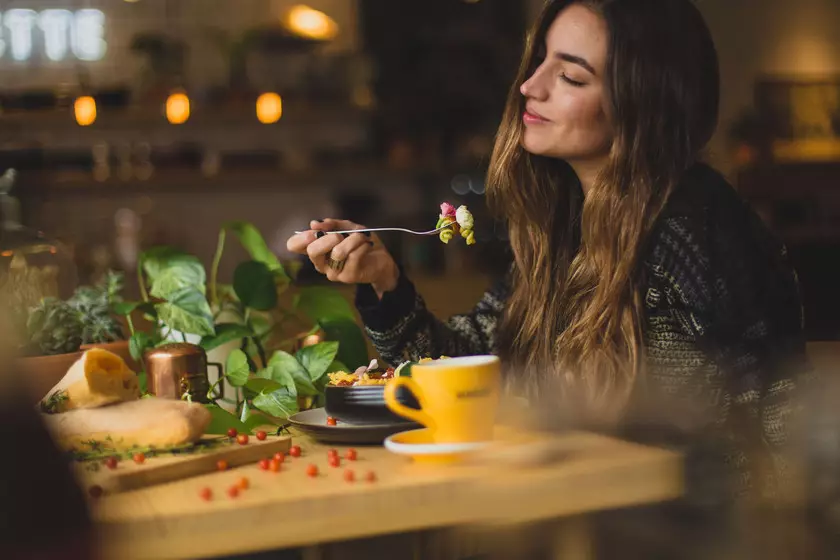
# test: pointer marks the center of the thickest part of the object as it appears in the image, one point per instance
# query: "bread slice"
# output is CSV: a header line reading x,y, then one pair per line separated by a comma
x,y
142,423
96,379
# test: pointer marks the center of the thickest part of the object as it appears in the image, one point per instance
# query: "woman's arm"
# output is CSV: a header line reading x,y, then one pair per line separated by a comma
x,y
402,328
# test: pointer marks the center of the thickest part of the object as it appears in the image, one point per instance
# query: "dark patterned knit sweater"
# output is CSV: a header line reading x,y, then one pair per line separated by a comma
x,y
723,327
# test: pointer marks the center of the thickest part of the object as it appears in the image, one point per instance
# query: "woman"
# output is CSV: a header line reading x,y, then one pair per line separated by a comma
x,y
641,283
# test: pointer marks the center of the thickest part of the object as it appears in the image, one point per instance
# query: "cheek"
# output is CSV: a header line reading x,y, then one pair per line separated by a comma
x,y
585,113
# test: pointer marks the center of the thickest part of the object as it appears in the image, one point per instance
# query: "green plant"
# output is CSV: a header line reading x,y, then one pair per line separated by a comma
x,y
87,317
273,372
54,328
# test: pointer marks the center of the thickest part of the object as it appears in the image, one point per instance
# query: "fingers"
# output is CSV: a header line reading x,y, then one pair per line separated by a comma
x,y
299,242
333,224
353,269
318,250
341,251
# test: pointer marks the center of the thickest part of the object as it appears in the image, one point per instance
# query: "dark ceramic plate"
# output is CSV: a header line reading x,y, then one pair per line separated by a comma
x,y
365,404
314,423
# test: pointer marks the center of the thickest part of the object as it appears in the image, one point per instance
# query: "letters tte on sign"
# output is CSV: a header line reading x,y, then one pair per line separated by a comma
x,y
59,31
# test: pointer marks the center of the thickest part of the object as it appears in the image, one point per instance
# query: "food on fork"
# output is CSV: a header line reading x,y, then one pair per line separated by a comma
x,y
458,220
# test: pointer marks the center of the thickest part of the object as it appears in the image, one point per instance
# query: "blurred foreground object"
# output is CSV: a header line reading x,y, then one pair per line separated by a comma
x,y
42,510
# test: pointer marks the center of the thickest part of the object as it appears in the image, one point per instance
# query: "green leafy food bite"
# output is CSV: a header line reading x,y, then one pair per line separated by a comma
x,y
456,221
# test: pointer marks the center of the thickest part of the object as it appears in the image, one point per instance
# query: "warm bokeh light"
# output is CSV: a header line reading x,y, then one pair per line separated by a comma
x,y
269,108
85,110
178,108
310,23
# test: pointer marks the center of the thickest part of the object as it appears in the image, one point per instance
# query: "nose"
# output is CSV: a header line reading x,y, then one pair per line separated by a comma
x,y
534,87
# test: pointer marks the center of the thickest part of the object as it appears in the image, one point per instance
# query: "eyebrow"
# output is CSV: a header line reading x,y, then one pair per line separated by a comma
x,y
575,60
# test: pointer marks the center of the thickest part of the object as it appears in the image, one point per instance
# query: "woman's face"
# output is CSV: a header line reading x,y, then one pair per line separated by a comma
x,y
565,113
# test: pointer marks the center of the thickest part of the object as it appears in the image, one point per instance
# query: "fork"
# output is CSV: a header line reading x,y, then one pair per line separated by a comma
x,y
411,231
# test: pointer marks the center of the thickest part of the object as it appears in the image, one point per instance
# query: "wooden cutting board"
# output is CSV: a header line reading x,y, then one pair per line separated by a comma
x,y
165,467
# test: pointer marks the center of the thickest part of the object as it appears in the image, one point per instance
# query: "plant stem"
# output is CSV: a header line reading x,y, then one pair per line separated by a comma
x,y
260,350
130,323
214,269
140,282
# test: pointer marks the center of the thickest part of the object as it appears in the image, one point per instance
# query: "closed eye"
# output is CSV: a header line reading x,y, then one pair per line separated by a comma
x,y
570,81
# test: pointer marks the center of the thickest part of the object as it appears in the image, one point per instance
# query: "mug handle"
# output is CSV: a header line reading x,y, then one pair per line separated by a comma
x,y
398,407
220,379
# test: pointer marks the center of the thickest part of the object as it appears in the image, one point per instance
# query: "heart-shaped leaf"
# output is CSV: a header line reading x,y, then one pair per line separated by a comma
x,y
287,364
261,385
352,348
317,358
187,311
225,332
321,303
254,286
254,243
176,277
157,259
221,421
280,403
236,368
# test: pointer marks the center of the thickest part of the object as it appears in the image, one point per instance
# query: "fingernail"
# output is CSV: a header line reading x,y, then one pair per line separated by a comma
x,y
319,235
367,233
370,243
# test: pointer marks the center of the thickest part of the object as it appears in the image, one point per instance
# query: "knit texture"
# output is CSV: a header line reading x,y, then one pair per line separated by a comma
x,y
723,326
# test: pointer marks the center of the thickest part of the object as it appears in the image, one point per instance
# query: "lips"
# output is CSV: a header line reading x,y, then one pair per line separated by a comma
x,y
532,117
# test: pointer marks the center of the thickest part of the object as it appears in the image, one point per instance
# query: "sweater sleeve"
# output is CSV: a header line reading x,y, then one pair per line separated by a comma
x,y
402,328
735,293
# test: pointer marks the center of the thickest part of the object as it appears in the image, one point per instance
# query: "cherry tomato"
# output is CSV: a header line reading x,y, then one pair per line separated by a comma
x,y
95,491
232,432
233,491
334,460
349,476
295,451
351,454
371,476
279,457
206,494
312,471
221,465
139,458
242,439
331,421
111,462
243,483
275,465
261,435
332,453
264,464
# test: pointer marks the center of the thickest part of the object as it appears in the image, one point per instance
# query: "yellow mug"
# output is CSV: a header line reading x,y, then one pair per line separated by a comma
x,y
458,397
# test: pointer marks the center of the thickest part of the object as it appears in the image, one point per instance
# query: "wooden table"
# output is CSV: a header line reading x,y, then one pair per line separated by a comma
x,y
289,509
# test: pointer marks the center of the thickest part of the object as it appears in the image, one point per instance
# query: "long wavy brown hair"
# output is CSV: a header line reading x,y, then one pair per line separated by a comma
x,y
576,311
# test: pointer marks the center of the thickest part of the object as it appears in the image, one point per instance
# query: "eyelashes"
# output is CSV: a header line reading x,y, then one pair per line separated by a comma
x,y
570,81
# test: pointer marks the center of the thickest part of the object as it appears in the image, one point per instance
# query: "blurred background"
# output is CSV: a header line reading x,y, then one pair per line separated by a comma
x,y
147,122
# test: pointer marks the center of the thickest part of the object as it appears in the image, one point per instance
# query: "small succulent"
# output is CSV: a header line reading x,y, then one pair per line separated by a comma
x,y
54,327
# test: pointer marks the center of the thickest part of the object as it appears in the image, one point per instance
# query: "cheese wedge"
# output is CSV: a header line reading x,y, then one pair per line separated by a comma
x,y
142,423
96,379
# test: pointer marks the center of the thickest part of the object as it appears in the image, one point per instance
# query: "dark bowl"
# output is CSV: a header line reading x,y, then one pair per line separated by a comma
x,y
365,404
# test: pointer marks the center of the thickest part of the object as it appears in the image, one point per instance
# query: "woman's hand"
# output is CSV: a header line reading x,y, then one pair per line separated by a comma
x,y
357,258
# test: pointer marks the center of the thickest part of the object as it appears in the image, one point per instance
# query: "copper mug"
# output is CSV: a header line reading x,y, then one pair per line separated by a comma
x,y
179,370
